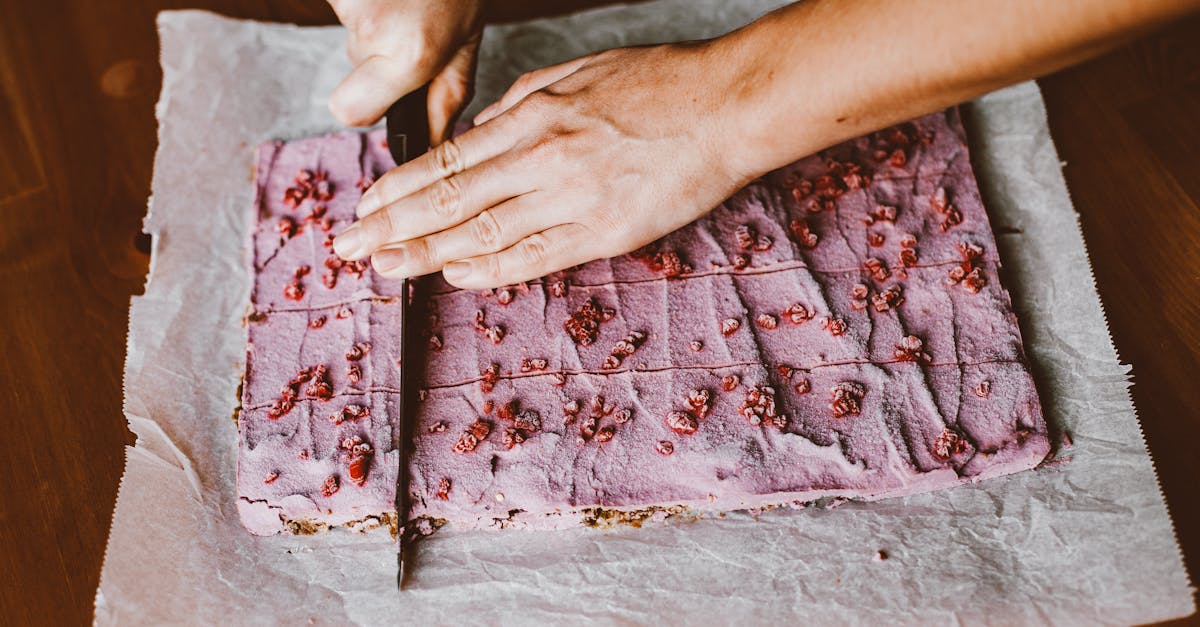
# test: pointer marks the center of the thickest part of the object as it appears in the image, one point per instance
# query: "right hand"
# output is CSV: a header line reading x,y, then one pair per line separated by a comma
x,y
398,45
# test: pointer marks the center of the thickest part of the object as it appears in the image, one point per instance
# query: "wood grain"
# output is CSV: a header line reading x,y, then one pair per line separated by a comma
x,y
78,82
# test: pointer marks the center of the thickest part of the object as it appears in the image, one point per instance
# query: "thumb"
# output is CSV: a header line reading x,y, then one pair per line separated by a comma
x,y
364,95
452,89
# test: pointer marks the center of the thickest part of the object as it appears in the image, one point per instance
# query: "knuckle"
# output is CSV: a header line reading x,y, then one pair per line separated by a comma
x,y
445,159
486,230
534,250
491,267
381,225
446,196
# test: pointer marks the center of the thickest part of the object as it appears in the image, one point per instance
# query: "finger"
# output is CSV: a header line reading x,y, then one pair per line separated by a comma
x,y
492,230
445,159
447,202
344,9
535,256
354,50
363,96
527,84
451,90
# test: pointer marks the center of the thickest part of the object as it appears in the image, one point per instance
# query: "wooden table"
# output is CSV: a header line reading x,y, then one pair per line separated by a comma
x,y
78,85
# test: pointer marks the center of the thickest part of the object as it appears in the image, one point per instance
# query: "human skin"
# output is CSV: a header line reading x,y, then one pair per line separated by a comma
x,y
601,155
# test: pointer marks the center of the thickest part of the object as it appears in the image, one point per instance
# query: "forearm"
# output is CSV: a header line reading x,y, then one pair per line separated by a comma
x,y
823,71
516,10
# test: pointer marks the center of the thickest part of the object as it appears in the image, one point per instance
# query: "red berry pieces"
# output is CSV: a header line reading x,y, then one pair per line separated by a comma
x,y
766,321
744,236
630,343
350,412
696,346
280,408
271,477
798,314
476,433
308,184
612,362
558,378
531,365
285,227
354,374
948,444
584,325
623,416
802,234
494,333
803,387
528,420
877,269
318,322
846,399
682,422
357,455
881,213
759,407
330,487
730,382
437,427
587,429
698,400
504,296
605,433
435,343
907,258
967,273
664,448
511,438
344,312
443,489
892,144
669,264
835,326
888,299
858,297
940,202
984,389
490,375
293,291
558,289
319,387
741,262
358,351
329,279
875,240
909,349
571,407
729,326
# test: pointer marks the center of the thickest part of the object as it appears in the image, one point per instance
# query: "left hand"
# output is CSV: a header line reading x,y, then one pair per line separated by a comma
x,y
579,161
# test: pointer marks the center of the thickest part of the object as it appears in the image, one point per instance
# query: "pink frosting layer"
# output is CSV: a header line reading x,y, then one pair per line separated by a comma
x,y
865,413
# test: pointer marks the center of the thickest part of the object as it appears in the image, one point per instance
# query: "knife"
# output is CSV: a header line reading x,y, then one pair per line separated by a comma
x,y
407,138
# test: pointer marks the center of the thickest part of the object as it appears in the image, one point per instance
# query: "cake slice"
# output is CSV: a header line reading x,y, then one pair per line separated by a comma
x,y
836,329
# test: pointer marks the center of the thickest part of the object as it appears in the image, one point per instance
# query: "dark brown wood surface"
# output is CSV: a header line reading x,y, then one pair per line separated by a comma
x,y
78,83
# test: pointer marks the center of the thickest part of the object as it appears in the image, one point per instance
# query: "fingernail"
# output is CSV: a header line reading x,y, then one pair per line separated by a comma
x,y
348,243
388,260
456,271
368,204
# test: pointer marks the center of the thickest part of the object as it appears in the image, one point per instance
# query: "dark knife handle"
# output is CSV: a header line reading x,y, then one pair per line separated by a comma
x,y
408,126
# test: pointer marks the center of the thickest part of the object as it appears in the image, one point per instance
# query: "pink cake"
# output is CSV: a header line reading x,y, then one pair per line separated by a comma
x,y
836,329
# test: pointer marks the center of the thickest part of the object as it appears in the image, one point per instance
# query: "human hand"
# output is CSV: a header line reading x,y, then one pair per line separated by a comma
x,y
588,159
398,45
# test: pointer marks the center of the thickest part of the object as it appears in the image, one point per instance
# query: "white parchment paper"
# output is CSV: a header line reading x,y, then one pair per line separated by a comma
x,y
1085,542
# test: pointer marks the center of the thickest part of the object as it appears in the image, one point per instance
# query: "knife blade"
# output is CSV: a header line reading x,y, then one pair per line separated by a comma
x,y
407,138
